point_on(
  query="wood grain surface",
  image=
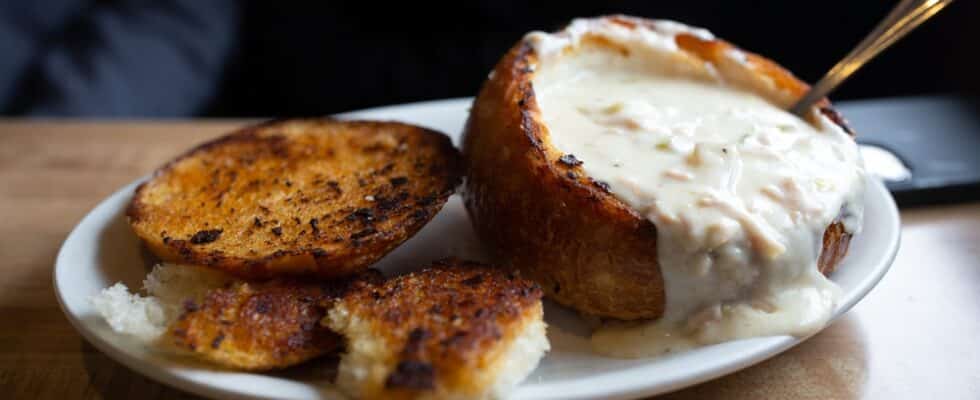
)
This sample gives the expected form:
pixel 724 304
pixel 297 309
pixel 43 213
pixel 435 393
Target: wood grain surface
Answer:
pixel 917 335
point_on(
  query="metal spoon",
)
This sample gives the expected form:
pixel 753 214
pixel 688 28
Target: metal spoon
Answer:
pixel 905 17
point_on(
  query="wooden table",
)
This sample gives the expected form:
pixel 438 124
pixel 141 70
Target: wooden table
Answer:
pixel 917 335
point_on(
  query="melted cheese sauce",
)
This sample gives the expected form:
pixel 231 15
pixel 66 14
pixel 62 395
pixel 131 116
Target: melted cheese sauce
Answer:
pixel 739 189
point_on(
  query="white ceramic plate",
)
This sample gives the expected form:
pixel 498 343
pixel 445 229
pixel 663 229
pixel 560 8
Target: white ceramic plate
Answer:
pixel 101 251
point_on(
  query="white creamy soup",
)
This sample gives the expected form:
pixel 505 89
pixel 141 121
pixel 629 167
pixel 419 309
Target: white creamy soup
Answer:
pixel 739 189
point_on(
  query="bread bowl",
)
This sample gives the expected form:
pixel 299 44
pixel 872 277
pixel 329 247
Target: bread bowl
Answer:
pixel 547 211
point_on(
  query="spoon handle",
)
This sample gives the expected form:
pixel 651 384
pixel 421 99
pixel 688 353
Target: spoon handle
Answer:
pixel 907 15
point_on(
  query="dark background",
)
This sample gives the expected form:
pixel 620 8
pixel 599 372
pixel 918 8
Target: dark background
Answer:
pixel 161 58
pixel 330 57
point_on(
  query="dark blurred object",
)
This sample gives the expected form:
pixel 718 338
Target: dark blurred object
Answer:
pixel 191 57
pixel 936 137
pixel 113 58
pixel 327 57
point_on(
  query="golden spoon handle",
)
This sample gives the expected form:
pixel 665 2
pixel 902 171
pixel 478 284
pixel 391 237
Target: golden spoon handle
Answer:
pixel 905 17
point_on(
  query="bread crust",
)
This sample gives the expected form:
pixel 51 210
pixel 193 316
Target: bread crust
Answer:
pixel 440 332
pixel 546 217
pixel 315 197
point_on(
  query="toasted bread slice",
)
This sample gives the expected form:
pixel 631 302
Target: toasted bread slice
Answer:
pixel 296 197
pixel 454 330
pixel 261 326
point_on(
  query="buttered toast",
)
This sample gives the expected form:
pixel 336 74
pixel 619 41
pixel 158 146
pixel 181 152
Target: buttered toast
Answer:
pixel 317 197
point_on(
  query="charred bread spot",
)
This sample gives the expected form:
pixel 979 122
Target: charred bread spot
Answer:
pixel 569 160
pixel 420 215
pixel 363 214
pixel 473 281
pixel 261 305
pixel 363 233
pixel 427 200
pixel 190 306
pixel 391 203
pixel 602 186
pixel 412 375
pixel 417 335
pixel 398 181
pixel 532 134
pixel 216 342
pixel 206 236
pixel 415 341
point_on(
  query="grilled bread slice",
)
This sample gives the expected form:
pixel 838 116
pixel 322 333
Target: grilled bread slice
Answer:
pixel 296 197
pixel 262 326
pixel 453 330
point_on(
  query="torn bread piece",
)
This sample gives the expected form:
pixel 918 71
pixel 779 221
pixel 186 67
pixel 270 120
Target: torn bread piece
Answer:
pixel 236 324
pixel 261 326
pixel 146 318
pixel 454 330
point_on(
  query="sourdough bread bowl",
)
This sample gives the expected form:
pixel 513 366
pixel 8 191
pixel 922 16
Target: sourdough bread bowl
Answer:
pixel 539 209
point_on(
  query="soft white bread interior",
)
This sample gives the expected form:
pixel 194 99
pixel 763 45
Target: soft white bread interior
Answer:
pixel 228 322
pixel 167 287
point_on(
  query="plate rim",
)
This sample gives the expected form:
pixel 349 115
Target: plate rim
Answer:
pixel 175 377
